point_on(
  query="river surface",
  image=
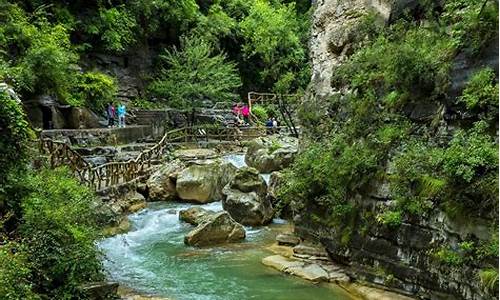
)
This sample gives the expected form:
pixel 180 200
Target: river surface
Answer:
pixel 152 259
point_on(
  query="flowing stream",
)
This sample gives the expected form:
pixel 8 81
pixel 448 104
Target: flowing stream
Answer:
pixel 152 259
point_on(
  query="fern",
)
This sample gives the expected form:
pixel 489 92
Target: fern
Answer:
pixel 489 278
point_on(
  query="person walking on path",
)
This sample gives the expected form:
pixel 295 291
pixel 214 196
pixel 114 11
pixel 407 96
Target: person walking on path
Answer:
pixel 122 112
pixel 275 125
pixel 110 113
pixel 245 111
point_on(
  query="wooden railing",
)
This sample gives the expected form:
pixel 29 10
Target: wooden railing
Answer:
pixel 113 173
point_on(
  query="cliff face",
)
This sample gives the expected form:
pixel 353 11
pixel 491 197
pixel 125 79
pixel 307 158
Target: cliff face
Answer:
pixel 334 31
pixel 398 258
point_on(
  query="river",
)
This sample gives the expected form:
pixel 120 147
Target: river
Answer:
pixel 152 259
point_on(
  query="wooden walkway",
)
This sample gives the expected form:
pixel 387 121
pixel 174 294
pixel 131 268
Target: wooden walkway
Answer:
pixel 113 173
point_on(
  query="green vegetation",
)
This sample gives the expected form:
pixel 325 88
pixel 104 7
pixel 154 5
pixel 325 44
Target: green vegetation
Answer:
pixel 96 88
pixel 47 222
pixel 260 113
pixel 44 45
pixel 489 278
pixel 374 133
pixel 193 75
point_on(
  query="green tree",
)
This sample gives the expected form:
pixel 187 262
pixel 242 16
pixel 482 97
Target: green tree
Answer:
pixel 274 46
pixel 193 74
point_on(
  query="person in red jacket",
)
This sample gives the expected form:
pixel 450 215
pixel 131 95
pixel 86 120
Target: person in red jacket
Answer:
pixel 245 111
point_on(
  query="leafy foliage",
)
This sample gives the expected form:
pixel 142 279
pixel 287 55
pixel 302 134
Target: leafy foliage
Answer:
pixel 14 134
pixel 489 278
pixel 481 95
pixel 193 74
pixel 115 26
pixel 59 225
pixel 273 35
pixel 15 273
pixel 97 89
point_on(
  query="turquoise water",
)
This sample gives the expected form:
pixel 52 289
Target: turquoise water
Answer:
pixel 153 259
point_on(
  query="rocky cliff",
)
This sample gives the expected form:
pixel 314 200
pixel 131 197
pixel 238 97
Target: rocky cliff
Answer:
pixel 396 257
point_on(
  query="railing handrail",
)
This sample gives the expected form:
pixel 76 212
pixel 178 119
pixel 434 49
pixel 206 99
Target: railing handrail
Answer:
pixel 112 172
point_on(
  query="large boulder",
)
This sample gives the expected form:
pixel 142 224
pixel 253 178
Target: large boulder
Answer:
pixel 271 153
pixel 194 215
pixel 161 185
pixel 203 181
pixel 245 198
pixel 215 229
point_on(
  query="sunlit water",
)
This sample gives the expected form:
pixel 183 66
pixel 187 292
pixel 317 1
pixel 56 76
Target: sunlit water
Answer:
pixel 152 258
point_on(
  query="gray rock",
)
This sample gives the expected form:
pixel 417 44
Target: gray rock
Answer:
pixel 317 251
pixel 215 229
pixel 245 198
pixel 287 239
pixel 203 183
pixel 161 185
pixel 100 290
pixel 271 153
pixel 194 215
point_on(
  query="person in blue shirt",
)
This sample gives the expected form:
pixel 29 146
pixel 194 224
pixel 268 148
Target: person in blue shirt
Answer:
pixel 269 126
pixel 122 111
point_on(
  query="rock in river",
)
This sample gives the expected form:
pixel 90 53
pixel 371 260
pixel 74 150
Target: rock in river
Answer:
pixel 194 215
pixel 271 153
pixel 203 182
pixel 215 229
pixel 161 185
pixel 245 198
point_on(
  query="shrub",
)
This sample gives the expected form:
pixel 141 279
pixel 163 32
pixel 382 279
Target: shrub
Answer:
pixel 15 273
pixel 59 226
pixel 449 257
pixel 96 89
pixel 260 113
pixel 14 134
pixel 390 218
pixel 481 94
pixel 489 278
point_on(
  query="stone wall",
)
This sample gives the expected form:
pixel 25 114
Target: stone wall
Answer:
pixel 103 136
pixel 401 257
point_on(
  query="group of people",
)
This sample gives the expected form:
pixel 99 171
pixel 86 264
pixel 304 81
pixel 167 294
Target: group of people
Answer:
pixel 241 113
pixel 271 125
pixel 112 113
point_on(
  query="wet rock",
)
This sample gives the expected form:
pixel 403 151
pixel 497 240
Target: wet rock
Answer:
pixel 194 215
pixel 287 239
pixel 96 160
pixel 310 252
pixel 245 198
pixel 215 229
pixel 100 290
pixel 310 272
pixel 272 153
pixel 203 182
pixel 281 263
pixel 161 185
pixel 318 272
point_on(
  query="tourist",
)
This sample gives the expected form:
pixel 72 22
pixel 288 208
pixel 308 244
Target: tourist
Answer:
pixel 122 111
pixel 245 111
pixel 236 109
pixel 275 125
pixel 110 114
pixel 269 126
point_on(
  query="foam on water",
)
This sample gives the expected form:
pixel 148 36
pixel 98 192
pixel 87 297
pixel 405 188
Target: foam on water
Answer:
pixel 237 159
